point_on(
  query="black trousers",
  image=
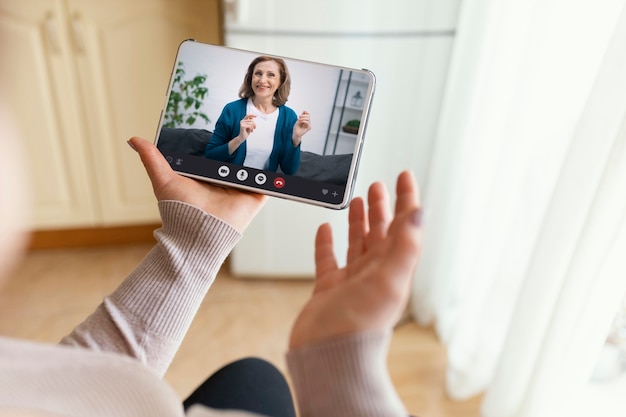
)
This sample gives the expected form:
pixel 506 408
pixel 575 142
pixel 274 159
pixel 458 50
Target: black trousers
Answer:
pixel 249 384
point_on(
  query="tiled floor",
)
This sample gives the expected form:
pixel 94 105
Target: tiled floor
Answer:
pixel 53 290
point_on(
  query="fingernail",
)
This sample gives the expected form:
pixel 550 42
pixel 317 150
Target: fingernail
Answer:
pixel 416 217
pixel 131 145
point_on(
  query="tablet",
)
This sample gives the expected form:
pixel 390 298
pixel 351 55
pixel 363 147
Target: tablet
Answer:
pixel 275 125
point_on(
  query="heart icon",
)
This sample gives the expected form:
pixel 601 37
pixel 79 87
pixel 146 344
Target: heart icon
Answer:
pixel 324 191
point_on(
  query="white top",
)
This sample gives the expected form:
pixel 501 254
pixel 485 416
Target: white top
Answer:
pixel 260 142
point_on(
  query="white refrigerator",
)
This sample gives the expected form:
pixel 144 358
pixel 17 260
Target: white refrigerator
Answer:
pixel 407 44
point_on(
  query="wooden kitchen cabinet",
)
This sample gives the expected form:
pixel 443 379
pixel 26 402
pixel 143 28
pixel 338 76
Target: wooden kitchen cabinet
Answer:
pixel 82 76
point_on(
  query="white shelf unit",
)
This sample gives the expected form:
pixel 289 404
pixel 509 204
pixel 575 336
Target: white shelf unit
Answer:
pixel 349 99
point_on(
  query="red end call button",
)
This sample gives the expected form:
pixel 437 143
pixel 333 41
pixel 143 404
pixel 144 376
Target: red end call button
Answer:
pixel 279 182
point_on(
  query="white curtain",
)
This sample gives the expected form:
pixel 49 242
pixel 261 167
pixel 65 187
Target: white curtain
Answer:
pixel 524 263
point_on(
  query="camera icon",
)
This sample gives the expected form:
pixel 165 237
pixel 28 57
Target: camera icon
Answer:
pixel 223 171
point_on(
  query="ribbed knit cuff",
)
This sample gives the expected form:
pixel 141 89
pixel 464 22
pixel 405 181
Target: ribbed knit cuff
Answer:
pixel 347 376
pixel 177 273
pixel 162 295
pixel 147 316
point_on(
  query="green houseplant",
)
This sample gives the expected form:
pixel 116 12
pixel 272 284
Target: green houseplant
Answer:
pixel 185 100
pixel 352 126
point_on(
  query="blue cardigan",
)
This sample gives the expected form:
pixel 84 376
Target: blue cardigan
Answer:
pixel 284 154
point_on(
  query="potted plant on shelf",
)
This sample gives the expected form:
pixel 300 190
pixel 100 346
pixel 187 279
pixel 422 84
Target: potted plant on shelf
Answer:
pixel 352 126
pixel 184 105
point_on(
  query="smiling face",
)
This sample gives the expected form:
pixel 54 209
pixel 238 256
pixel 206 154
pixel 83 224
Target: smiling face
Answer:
pixel 265 79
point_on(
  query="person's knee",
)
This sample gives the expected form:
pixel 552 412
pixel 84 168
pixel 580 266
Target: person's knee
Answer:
pixel 250 384
pixel 252 366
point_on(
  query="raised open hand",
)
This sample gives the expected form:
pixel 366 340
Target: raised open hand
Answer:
pixel 372 290
pixel 302 126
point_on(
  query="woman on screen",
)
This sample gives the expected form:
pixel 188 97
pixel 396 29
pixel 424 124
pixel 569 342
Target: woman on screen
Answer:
pixel 258 130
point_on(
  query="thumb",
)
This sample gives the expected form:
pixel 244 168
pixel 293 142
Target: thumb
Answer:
pixel 158 169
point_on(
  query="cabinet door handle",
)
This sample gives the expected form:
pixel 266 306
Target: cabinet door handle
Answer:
pixel 78 32
pixel 236 11
pixel 52 33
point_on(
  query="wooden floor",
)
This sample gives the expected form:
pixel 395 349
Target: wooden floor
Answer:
pixel 53 290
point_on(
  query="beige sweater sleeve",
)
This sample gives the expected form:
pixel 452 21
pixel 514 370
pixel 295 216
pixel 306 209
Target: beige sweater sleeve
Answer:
pixel 345 377
pixel 147 316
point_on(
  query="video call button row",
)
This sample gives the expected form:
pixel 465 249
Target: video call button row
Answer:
pixel 260 178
